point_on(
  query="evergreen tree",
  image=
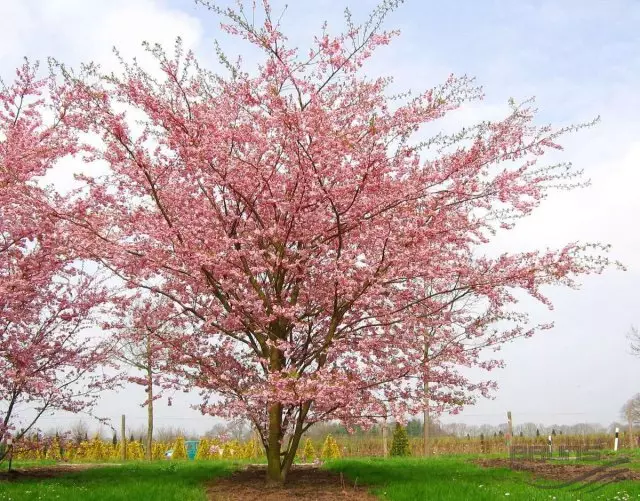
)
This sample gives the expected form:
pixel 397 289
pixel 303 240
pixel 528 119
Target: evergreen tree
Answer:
pixel 203 449
pixel 400 442
pixel 179 449
pixel 309 452
pixel 96 450
pixel 415 428
pixel 135 451
pixel 251 449
pixel 158 450
pixel 230 449
pixel 54 452
pixel 330 449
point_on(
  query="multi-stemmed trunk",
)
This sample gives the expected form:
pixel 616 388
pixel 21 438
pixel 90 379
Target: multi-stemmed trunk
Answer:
pixel 279 461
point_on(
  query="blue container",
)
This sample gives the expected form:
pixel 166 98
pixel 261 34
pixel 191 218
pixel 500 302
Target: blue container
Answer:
pixel 192 448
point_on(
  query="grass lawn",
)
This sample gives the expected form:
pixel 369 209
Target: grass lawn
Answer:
pixel 407 479
pixel 139 481
pixel 455 478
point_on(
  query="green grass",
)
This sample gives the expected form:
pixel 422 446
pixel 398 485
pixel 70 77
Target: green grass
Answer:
pixel 456 478
pixel 632 455
pixel 157 481
pixel 406 479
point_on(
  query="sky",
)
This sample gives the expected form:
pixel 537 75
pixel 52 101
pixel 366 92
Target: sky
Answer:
pixel 579 58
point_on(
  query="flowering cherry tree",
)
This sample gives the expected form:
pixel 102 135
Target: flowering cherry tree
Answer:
pixel 315 242
pixel 148 338
pixel 46 299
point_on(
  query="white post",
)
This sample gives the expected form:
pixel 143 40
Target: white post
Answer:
pixel 615 442
pixel 550 446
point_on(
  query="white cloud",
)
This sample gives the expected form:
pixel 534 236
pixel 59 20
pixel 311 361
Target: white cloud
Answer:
pixel 79 31
pixel 602 212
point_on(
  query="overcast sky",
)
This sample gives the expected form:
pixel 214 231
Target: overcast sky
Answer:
pixel 579 58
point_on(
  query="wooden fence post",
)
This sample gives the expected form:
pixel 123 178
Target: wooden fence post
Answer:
pixel 123 452
pixel 385 448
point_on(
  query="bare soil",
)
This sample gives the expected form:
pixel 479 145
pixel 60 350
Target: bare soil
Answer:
pixel 566 472
pixel 48 471
pixel 308 483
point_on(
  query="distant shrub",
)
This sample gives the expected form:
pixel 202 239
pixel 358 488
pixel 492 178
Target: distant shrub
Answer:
pixel 309 451
pixel 179 449
pixel 400 443
pixel 330 449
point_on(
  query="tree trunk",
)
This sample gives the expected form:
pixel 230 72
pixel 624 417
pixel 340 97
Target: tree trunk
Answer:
pixel 149 451
pixel 509 432
pixel 274 468
pixel 294 443
pixel 291 454
pixel 426 444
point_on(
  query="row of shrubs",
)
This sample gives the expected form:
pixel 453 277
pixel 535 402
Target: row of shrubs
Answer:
pixel 101 450
pixel 363 446
pixel 58 449
pixel 97 449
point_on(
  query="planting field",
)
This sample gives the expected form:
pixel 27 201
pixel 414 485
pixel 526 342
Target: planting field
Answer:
pixel 408 479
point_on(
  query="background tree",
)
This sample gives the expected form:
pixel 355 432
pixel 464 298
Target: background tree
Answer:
pixel 79 431
pixel 634 340
pixel 631 413
pixel 400 441
pixel 145 342
pixel 47 298
pixel 294 215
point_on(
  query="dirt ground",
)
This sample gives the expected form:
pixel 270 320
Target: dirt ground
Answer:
pixel 48 471
pixel 305 483
pixel 566 472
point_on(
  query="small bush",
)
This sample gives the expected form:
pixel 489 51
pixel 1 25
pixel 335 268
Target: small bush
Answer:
pixel 400 443
pixel 309 451
pixel 179 449
pixel 330 449
pixel 203 449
